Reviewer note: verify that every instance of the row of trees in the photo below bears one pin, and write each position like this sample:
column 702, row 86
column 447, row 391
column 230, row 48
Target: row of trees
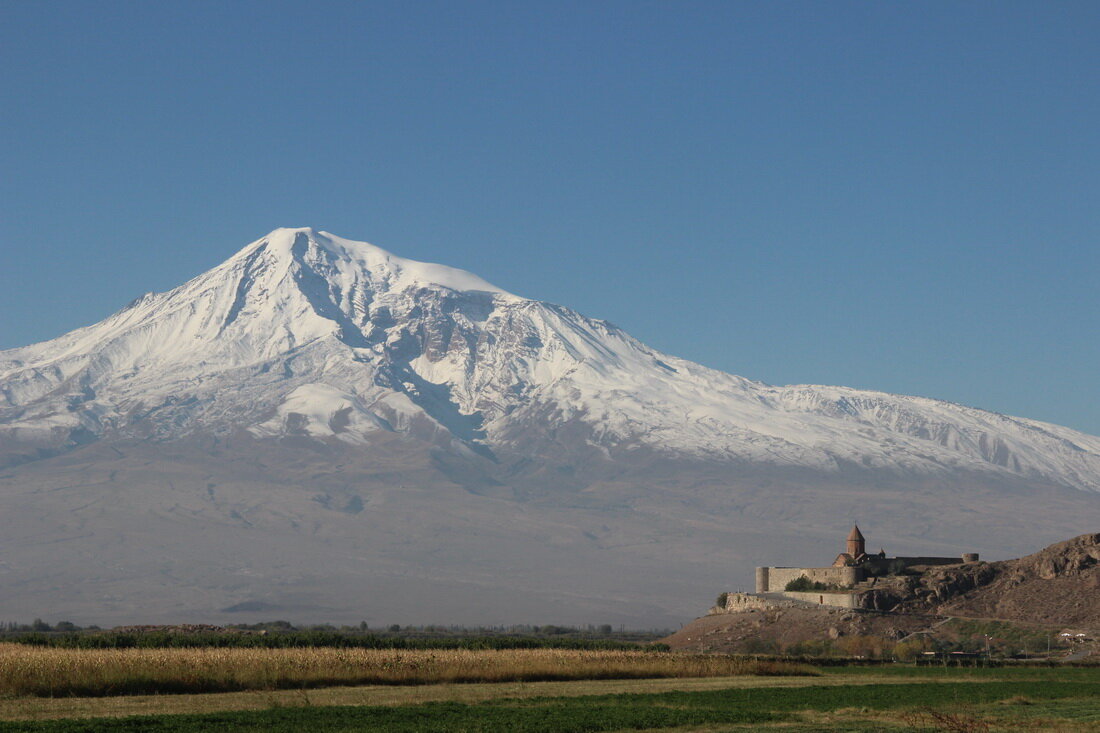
column 602, row 631
column 285, row 634
column 40, row 625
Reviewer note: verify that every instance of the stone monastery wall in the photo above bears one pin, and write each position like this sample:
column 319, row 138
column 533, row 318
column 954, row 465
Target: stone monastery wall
column 740, row 602
column 841, row 600
column 774, row 580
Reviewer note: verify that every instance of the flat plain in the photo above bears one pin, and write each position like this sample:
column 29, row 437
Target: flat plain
column 584, row 691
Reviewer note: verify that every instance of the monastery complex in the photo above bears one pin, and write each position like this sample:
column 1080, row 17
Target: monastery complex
column 846, row 583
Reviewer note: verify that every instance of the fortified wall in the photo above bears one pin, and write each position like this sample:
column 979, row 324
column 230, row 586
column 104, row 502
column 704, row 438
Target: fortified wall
column 772, row 580
column 737, row 602
column 843, row 584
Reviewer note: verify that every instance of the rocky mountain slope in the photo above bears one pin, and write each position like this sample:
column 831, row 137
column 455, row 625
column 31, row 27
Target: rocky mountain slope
column 318, row 426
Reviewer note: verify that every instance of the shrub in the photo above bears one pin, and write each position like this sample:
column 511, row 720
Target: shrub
column 803, row 584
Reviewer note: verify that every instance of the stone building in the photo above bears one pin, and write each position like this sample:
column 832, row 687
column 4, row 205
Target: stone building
column 844, row 582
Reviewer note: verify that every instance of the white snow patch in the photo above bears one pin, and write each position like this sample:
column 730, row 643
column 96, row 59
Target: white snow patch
column 321, row 411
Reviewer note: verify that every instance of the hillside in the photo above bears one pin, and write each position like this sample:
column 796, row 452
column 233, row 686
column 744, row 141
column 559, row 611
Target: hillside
column 1053, row 589
column 1057, row 585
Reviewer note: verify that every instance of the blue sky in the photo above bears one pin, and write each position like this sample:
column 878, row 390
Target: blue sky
column 895, row 196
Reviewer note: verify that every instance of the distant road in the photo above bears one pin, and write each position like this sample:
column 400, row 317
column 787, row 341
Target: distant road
column 1077, row 656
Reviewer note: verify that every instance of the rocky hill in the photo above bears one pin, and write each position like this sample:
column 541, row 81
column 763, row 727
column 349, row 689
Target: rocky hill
column 1055, row 588
column 1057, row 585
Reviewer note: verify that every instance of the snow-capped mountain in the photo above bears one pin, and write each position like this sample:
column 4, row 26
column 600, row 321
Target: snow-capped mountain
column 303, row 332
column 317, row 428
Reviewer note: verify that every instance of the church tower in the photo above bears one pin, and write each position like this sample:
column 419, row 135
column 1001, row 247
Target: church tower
column 856, row 543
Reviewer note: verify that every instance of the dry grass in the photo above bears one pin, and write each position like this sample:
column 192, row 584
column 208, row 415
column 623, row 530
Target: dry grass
column 46, row 672
column 43, row 708
column 946, row 721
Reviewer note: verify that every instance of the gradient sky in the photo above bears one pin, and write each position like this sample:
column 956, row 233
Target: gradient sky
column 885, row 195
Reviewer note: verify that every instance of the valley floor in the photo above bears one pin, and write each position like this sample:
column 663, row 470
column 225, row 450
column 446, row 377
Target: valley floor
column 860, row 699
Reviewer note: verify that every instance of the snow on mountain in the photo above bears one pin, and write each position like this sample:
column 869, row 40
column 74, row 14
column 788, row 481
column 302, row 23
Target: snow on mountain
column 303, row 333
column 319, row 430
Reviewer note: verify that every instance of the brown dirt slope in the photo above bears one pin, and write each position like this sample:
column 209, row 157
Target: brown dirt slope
column 1057, row 585
column 784, row 629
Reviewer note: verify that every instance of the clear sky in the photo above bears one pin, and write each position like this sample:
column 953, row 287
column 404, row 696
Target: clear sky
column 886, row 195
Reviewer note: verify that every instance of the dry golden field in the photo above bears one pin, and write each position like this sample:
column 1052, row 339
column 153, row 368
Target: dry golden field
column 52, row 672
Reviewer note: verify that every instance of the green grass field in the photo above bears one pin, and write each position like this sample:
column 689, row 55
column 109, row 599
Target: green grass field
column 902, row 699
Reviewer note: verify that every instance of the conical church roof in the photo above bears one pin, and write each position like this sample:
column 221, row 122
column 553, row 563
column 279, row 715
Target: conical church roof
column 855, row 534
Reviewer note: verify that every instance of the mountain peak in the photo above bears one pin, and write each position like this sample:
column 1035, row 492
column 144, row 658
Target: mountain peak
column 314, row 247
column 317, row 408
column 303, row 330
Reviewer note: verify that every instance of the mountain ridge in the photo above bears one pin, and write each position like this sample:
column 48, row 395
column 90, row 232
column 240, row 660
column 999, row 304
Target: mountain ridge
column 320, row 428
column 436, row 342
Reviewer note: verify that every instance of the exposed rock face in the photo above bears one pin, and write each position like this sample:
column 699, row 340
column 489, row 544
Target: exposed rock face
column 941, row 584
column 1076, row 557
column 880, row 599
column 1056, row 585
